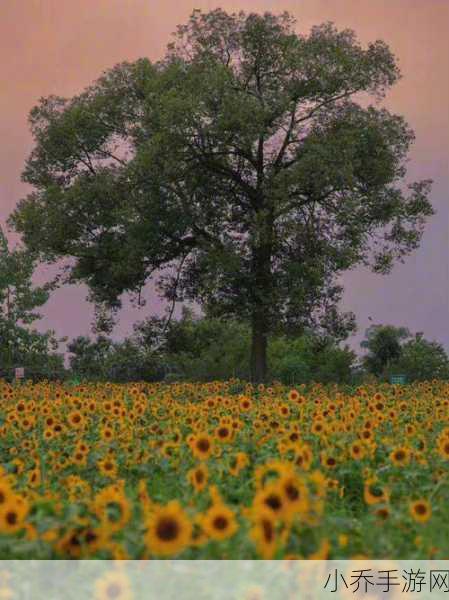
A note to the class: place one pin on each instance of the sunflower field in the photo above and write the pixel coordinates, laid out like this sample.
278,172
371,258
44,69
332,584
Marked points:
224,471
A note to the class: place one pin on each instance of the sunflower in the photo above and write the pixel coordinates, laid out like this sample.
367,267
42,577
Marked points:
443,448
328,461
76,420
169,530
79,459
270,498
106,433
295,494
224,433
293,395
357,451
114,585
366,435
201,446
198,477
219,522
108,467
245,403
112,508
318,428
420,510
400,456
13,514
48,434
284,411
374,493
264,535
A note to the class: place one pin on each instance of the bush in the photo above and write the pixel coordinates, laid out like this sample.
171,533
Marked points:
307,358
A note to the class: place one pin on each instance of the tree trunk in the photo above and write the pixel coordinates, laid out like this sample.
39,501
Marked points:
262,299
259,348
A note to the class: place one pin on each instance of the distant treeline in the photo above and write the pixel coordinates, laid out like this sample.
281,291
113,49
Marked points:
196,348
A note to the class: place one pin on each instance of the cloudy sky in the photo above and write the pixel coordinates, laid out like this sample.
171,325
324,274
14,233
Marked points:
60,46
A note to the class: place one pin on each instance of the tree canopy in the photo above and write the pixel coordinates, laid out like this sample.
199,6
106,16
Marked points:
245,171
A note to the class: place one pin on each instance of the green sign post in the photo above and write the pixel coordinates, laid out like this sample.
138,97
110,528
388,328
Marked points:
398,379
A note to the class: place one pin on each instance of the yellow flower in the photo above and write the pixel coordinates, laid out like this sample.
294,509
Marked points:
168,530
420,510
400,456
108,467
112,508
198,477
272,499
219,522
263,534
13,513
201,446
374,493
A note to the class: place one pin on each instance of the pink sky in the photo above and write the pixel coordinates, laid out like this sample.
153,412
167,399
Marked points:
60,46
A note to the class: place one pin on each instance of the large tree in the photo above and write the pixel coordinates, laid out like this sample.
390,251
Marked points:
245,171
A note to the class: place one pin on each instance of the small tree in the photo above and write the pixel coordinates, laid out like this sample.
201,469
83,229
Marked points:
88,358
103,359
20,345
384,346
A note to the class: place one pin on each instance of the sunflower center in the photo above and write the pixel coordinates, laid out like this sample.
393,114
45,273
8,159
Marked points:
167,529
220,522
292,491
203,445
11,517
375,491
421,509
274,502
